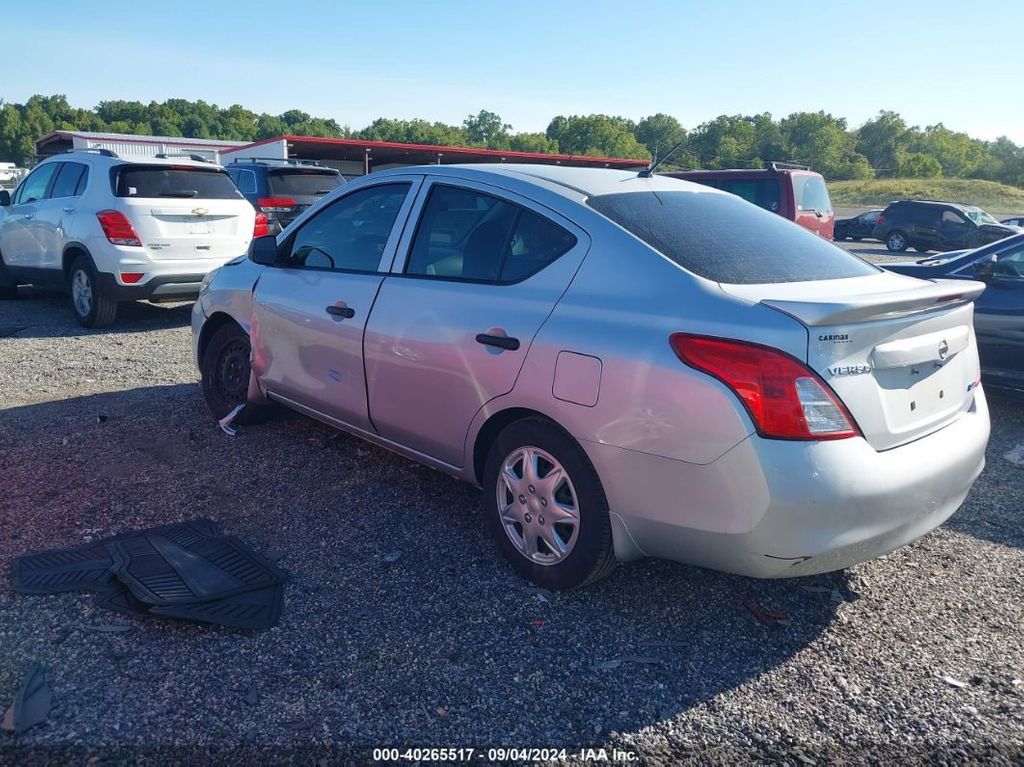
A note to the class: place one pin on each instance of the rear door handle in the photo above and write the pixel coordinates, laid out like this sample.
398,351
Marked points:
341,311
69,210
499,342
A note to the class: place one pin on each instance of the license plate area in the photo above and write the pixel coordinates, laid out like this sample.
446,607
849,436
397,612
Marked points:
919,394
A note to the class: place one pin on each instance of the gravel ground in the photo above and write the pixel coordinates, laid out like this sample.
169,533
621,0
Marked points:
444,646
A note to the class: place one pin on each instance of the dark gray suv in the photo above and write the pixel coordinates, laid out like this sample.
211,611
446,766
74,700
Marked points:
928,225
282,189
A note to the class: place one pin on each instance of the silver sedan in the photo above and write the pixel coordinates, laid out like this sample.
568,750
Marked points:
627,365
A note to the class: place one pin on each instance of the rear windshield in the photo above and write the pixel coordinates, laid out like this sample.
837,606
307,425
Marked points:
174,181
724,239
763,192
303,183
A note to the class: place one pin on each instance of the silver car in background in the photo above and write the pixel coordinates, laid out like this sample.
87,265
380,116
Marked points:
627,365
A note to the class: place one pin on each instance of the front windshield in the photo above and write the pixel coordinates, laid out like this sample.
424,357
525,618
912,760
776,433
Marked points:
978,216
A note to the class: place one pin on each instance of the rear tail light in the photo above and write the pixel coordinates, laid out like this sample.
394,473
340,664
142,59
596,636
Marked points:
880,219
261,228
785,398
130,278
275,204
118,228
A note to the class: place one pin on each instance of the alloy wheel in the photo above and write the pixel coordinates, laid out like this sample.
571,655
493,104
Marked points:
81,292
538,505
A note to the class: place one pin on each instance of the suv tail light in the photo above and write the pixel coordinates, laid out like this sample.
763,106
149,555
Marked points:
275,204
261,228
880,219
785,398
117,228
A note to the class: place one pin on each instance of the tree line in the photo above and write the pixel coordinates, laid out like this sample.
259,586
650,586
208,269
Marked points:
885,146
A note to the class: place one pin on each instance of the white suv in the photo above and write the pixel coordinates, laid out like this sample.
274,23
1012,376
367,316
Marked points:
110,230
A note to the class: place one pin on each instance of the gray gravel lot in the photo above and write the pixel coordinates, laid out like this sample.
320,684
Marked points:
445,646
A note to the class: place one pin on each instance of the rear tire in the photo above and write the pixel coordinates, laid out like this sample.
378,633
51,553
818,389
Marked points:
524,512
839,235
226,370
856,239
921,250
896,241
91,306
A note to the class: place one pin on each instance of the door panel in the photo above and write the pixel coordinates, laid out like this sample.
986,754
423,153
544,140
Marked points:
307,354
23,236
438,346
309,316
999,324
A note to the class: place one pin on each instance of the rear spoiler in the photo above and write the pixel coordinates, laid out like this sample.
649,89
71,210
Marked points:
930,296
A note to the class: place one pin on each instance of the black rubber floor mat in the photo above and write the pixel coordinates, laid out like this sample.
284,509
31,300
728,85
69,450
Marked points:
83,568
182,564
32,703
258,609
119,599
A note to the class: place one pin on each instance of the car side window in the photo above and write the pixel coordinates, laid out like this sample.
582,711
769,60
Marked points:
350,234
952,217
1010,264
34,187
246,181
468,235
70,181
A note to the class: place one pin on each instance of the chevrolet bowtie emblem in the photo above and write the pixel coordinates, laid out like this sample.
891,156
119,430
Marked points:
943,349
199,211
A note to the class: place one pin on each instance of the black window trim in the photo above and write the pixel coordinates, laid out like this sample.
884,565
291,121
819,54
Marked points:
434,184
290,239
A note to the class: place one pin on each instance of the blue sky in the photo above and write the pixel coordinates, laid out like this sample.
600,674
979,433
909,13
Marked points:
528,60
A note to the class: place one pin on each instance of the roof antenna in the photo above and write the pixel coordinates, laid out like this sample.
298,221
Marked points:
649,170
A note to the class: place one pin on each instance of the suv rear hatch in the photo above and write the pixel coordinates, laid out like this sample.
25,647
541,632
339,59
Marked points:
184,211
292,190
899,352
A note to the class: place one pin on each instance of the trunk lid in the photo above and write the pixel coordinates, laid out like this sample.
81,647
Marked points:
900,352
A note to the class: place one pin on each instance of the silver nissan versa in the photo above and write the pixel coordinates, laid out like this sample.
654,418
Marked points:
626,365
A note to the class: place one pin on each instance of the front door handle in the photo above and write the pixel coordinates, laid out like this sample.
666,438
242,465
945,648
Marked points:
499,342
341,311
69,210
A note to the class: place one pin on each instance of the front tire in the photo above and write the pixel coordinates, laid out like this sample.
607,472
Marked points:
546,508
896,242
91,306
226,370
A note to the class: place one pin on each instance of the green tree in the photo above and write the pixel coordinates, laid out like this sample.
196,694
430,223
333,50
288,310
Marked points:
487,129
596,135
882,141
533,142
659,133
918,165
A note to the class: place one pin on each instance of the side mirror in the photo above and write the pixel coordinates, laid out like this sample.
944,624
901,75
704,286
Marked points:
5,198
263,250
986,269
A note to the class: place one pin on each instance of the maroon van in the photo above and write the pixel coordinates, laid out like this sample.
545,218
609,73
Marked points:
793,191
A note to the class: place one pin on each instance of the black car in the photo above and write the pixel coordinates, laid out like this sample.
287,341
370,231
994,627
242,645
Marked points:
856,228
928,225
282,189
1013,221
998,312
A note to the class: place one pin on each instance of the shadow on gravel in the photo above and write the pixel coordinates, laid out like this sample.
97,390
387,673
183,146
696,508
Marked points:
46,314
992,511
401,624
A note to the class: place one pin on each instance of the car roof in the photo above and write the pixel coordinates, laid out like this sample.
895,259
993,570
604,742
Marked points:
957,205
571,182
115,160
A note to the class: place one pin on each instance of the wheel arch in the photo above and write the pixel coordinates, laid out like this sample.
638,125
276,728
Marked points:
213,323
73,250
493,426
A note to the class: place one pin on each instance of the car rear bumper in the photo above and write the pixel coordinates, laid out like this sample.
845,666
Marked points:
172,286
771,508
